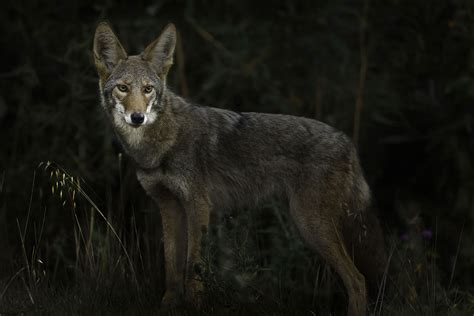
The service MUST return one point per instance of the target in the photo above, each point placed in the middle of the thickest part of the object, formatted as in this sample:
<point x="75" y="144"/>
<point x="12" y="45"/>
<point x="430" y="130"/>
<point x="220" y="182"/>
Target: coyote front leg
<point x="174" y="239"/>
<point x="197" y="217"/>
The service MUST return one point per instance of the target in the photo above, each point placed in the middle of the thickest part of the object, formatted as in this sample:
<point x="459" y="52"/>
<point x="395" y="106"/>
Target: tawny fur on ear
<point x="107" y="50"/>
<point x="160" y="52"/>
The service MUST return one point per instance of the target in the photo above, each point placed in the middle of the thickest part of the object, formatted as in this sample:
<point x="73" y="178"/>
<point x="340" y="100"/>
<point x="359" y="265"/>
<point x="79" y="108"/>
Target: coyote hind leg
<point x="323" y="233"/>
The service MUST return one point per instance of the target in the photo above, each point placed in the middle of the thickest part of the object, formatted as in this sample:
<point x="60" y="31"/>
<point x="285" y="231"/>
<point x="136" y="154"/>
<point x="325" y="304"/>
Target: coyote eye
<point x="148" y="89"/>
<point x="122" y="88"/>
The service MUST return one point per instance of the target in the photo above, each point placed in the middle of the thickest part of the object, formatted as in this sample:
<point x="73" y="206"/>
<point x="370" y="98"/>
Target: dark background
<point x="397" y="76"/>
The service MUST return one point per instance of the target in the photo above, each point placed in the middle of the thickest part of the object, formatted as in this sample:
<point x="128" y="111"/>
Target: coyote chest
<point x="153" y="179"/>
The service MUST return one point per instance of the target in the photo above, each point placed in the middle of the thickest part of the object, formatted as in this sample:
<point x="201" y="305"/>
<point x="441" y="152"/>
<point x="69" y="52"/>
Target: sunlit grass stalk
<point x="75" y="184"/>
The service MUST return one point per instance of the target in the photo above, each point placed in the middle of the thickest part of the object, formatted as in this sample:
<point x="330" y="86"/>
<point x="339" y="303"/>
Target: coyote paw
<point x="194" y="292"/>
<point x="170" y="300"/>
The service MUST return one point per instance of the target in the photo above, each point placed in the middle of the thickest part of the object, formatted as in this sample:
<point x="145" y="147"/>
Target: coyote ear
<point x="160" y="52"/>
<point x="107" y="50"/>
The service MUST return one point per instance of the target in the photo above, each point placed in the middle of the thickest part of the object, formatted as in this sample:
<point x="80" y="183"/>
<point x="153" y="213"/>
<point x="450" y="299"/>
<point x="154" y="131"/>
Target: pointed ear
<point x="160" y="52"/>
<point x="107" y="50"/>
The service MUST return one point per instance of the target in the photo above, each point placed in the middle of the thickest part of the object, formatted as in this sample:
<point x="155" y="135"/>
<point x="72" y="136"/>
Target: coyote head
<point x="131" y="86"/>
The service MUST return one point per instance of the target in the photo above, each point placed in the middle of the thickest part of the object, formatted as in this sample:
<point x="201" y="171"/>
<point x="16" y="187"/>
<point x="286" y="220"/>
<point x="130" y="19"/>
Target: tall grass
<point x="254" y="262"/>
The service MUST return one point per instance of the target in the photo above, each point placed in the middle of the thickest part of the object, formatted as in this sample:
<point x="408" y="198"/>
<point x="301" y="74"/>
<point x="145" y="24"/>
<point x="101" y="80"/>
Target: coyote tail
<point x="366" y="245"/>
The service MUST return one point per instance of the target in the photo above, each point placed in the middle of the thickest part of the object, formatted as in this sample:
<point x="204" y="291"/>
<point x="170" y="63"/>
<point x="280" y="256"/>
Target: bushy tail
<point x="365" y="243"/>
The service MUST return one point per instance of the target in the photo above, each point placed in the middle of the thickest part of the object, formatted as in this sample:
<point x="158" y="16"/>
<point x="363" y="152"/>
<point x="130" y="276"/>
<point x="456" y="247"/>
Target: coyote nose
<point x="137" y="117"/>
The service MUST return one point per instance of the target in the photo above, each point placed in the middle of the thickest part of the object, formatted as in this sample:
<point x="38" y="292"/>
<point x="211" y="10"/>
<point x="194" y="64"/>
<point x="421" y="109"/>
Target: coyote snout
<point x="136" y="118"/>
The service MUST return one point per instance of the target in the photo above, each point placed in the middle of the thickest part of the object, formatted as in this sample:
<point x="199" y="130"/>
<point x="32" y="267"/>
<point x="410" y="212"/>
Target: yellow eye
<point x="148" y="89"/>
<point x="122" y="88"/>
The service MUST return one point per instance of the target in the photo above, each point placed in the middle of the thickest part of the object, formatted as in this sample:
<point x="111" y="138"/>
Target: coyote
<point x="191" y="159"/>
